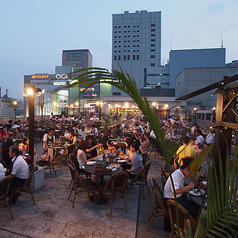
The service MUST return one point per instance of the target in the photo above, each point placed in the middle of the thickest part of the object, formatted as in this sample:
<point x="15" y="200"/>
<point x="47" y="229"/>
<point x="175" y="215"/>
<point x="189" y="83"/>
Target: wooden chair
<point x="80" y="184"/>
<point x="26" y="187"/>
<point x="42" y="146"/>
<point x="145" y="157"/>
<point x="184" y="217"/>
<point x="159" y="207"/>
<point x="68" y="150"/>
<point x="49" y="164"/>
<point x="141" y="178"/>
<point x="116" y="186"/>
<point x="4" y="188"/>
<point x="164" y="177"/>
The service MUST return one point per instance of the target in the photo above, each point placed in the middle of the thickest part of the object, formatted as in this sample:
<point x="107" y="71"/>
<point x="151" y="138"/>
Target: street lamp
<point x="14" y="106"/>
<point x="195" y="112"/>
<point x="30" y="93"/>
<point x="99" y="104"/>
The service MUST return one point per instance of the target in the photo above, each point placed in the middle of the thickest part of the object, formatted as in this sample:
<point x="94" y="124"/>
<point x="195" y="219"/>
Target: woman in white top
<point x="81" y="156"/>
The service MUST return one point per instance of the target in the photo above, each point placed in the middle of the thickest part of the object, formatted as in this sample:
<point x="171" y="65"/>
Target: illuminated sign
<point x="59" y="83"/>
<point x="61" y="76"/>
<point x="40" y="76"/>
<point x="89" y="95"/>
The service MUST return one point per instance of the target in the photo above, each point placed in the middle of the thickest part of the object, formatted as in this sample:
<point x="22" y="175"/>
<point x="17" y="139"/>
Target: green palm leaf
<point x="222" y="201"/>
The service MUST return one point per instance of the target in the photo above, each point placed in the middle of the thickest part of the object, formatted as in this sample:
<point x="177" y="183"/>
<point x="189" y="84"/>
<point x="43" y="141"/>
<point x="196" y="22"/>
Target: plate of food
<point x="195" y="193"/>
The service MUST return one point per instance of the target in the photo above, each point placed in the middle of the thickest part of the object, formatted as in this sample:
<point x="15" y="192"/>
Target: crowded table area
<point x="95" y="155"/>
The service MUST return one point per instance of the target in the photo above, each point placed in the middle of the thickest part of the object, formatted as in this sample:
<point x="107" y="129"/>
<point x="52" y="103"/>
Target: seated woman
<point x="136" y="161"/>
<point x="106" y="141"/>
<point x="91" y="151"/>
<point x="81" y="156"/>
<point x="82" y="159"/>
<point x="71" y="137"/>
<point x="19" y="135"/>
<point x="5" y="152"/>
<point x="145" y="144"/>
<point x="4" y="132"/>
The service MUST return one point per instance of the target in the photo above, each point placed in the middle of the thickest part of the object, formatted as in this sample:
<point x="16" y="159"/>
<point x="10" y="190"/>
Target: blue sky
<point x="34" y="33"/>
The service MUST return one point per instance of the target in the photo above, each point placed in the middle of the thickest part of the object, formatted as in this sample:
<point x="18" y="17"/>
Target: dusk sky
<point x="34" y="33"/>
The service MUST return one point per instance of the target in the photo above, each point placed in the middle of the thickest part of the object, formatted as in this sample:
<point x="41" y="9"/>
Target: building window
<point x="115" y="41"/>
<point x="152" y="24"/>
<point x="138" y="25"/>
<point x="124" y="41"/>
<point x="119" y="36"/>
<point x="152" y="29"/>
<point x="124" y="26"/>
<point x="124" y="31"/>
<point x="115" y="57"/>
<point x="137" y="57"/>
<point x="116" y="93"/>
<point x="128" y="51"/>
<point x="137" y="50"/>
<point x="115" y="46"/>
<point x="119" y="26"/>
<point x="134" y="46"/>
<point x="138" y="40"/>
<point x="152" y="50"/>
<point x="152" y="35"/>
<point x="115" y="36"/>
<point x="152" y="45"/>
<point x="138" y="46"/>
<point x="138" y="36"/>
<point x="124" y="36"/>
<point x="115" y="26"/>
<point x="152" y="64"/>
<point x="152" y="39"/>
<point x="124" y="45"/>
<point x="124" y="57"/>
<point x="128" y="41"/>
<point x="115" y="51"/>
<point x="128" y="46"/>
<point x="128" y="26"/>
<point x="134" y="57"/>
<point x="119" y="41"/>
<point x="152" y="56"/>
<point x="119" y="57"/>
<point x="128" y="57"/>
<point x="119" y="31"/>
<point x="115" y="32"/>
<point x="138" y="30"/>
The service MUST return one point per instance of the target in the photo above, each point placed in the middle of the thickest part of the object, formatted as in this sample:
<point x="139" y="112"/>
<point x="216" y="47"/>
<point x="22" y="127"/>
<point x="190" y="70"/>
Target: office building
<point x="194" y="58"/>
<point x="136" y="44"/>
<point x="56" y="96"/>
<point x="193" y="79"/>
<point x="81" y="59"/>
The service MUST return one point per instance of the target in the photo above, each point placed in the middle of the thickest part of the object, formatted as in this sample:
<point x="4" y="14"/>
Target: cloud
<point x="215" y="9"/>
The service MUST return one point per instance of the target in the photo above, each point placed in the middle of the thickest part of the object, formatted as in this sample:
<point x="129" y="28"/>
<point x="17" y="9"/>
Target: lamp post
<point x="195" y="112"/>
<point x="214" y="114"/>
<point x="42" y="103"/>
<point x="14" y="106"/>
<point x="30" y="93"/>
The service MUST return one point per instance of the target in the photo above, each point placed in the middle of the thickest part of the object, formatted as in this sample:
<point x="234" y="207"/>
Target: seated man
<point x="48" y="138"/>
<point x="136" y="161"/>
<point x="20" y="171"/>
<point x="183" y="151"/>
<point x="178" y="177"/>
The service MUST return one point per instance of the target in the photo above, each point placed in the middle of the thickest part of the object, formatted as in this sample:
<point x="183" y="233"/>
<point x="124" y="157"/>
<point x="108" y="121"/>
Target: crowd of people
<point x="90" y="140"/>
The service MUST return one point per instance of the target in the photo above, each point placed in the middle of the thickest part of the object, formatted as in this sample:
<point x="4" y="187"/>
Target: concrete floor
<point x="53" y="215"/>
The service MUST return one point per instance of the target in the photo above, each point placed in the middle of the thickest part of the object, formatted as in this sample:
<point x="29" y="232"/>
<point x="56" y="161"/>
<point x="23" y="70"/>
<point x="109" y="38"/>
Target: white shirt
<point x="178" y="179"/>
<point x="47" y="135"/>
<point x="20" y="168"/>
<point x="82" y="133"/>
<point x="79" y="158"/>
<point x="2" y="171"/>
<point x="210" y="139"/>
<point x="152" y="134"/>
<point x="15" y="126"/>
<point x="199" y="140"/>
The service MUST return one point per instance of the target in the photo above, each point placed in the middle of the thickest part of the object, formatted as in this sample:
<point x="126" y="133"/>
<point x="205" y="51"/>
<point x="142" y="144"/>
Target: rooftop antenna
<point x="170" y="42"/>
<point x="221" y="41"/>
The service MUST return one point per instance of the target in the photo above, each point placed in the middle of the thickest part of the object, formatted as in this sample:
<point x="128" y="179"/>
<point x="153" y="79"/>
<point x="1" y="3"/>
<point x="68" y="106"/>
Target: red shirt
<point x="5" y="134"/>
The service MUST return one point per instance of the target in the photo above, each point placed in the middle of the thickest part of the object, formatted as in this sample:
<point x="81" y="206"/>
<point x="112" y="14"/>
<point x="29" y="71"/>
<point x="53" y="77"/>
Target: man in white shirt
<point x="48" y="138"/>
<point x="210" y="139"/>
<point x="200" y="140"/>
<point x="20" y="171"/>
<point x="178" y="177"/>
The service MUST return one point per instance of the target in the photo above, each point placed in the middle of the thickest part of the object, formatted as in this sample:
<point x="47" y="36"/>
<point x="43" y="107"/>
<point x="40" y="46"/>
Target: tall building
<point x="80" y="59"/>
<point x="136" y="44"/>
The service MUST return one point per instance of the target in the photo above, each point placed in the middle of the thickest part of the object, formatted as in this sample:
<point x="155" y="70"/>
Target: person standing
<point x="48" y="139"/>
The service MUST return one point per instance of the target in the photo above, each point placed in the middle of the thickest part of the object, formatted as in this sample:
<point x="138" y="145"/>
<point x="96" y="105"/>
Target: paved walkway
<point x="53" y="215"/>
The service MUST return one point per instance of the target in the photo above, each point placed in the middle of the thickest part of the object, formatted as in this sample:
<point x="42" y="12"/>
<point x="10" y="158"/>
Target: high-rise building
<point x="78" y="59"/>
<point x="81" y="59"/>
<point x="136" y="44"/>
